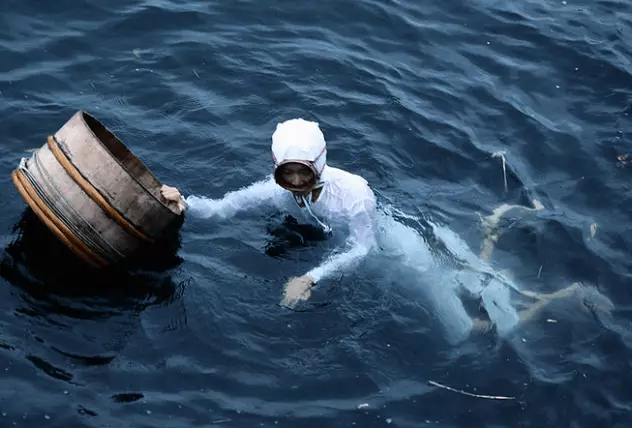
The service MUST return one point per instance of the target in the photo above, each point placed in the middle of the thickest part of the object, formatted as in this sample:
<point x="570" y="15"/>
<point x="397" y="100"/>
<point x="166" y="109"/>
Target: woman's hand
<point x="172" y="198"/>
<point x="297" y="289"/>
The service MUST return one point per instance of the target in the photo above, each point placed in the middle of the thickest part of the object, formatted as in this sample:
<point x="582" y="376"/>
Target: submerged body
<point x="304" y="187"/>
<point x="344" y="198"/>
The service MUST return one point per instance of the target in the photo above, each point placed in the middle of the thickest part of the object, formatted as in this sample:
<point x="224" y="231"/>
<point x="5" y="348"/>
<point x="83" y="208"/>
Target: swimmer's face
<point x="296" y="177"/>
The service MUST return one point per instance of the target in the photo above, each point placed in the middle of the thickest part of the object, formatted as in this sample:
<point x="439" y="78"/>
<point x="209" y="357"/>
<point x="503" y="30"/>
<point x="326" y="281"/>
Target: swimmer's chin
<point x="299" y="191"/>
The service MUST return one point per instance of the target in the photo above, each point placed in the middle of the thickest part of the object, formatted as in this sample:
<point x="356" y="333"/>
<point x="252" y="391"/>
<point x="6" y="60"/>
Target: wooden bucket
<point x="93" y="193"/>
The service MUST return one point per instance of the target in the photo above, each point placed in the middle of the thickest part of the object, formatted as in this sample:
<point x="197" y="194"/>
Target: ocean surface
<point x="449" y="109"/>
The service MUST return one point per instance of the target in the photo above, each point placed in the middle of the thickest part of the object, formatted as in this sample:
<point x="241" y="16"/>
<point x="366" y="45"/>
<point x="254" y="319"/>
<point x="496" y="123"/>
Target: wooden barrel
<point x="93" y="193"/>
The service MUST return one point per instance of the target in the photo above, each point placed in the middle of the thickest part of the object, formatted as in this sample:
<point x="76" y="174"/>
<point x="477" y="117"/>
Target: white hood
<point x="299" y="140"/>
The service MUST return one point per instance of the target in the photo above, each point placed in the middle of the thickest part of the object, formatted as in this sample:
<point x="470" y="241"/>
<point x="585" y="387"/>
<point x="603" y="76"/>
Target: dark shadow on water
<point x="82" y="313"/>
<point x="38" y="263"/>
<point x="289" y="234"/>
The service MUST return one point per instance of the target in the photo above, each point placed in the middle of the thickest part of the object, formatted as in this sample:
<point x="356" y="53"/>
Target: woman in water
<point x="304" y="186"/>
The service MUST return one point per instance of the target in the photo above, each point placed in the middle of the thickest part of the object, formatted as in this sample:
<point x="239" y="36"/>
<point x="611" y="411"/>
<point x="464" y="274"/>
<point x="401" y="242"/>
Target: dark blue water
<point x="414" y="96"/>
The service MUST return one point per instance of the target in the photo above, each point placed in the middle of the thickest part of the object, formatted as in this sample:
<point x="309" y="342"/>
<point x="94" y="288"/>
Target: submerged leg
<point x="496" y="298"/>
<point x="564" y="292"/>
<point x="449" y="309"/>
<point x="590" y="297"/>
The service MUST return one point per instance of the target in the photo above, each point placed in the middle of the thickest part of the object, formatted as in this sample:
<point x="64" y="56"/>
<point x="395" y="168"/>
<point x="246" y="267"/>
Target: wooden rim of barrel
<point x="92" y="192"/>
<point x="118" y="150"/>
<point x="54" y="224"/>
<point x="129" y="184"/>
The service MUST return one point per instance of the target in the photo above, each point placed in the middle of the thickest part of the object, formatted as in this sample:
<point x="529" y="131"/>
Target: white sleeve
<point x="361" y="240"/>
<point x="266" y="191"/>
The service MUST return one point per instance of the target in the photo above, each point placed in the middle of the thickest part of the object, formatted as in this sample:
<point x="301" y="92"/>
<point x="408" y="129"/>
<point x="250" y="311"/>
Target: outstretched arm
<point x="361" y="240"/>
<point x="258" y="193"/>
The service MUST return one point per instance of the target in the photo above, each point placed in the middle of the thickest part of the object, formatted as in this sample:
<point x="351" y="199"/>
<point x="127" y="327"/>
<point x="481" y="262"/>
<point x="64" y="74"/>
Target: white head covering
<point x="299" y="140"/>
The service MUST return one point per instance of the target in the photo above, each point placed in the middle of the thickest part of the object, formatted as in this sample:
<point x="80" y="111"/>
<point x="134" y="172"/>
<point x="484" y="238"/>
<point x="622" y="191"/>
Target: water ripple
<point x="415" y="97"/>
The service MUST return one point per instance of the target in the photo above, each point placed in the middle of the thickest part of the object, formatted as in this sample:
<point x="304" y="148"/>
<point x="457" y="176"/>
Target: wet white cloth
<point x="299" y="140"/>
<point x="347" y="198"/>
<point x="344" y="197"/>
<point x="448" y="273"/>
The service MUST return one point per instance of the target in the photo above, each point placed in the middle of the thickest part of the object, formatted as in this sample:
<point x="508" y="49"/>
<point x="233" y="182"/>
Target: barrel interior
<point x="123" y="155"/>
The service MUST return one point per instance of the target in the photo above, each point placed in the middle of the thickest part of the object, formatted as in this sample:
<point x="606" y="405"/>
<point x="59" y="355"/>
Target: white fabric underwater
<point x="441" y="282"/>
<point x="446" y="271"/>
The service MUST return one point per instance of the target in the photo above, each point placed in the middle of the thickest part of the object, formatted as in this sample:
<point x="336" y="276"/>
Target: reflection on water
<point x="84" y="315"/>
<point x="289" y="234"/>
